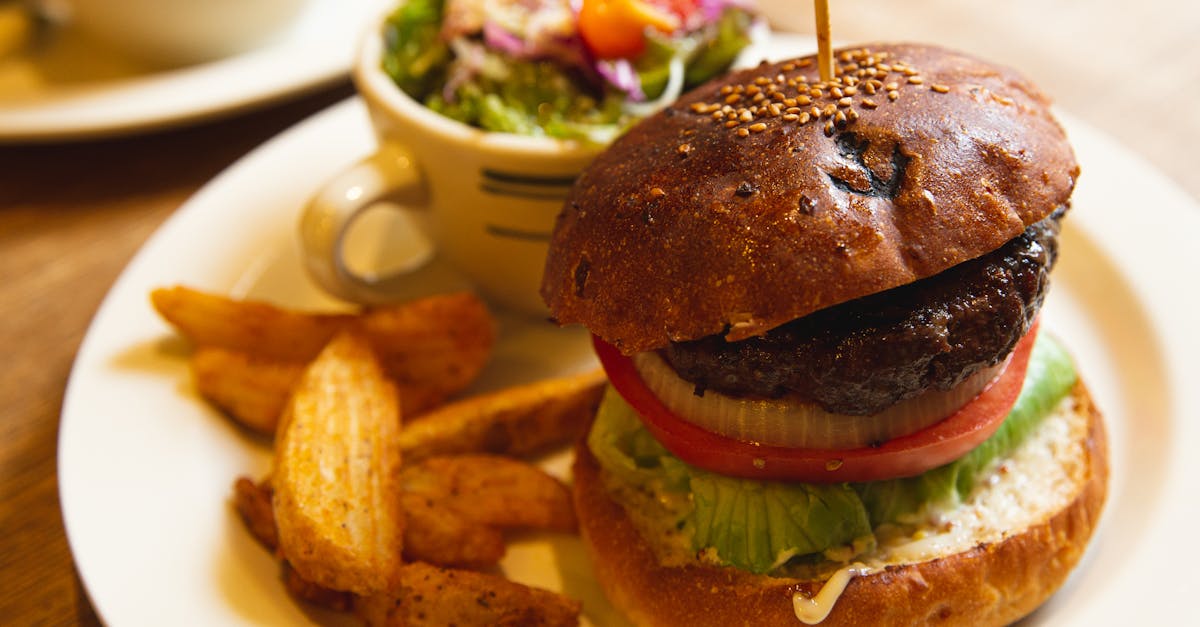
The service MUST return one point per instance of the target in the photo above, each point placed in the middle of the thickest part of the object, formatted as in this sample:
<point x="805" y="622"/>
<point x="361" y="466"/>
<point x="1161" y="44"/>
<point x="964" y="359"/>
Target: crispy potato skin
<point x="432" y="596"/>
<point x="518" y="421"/>
<point x="336" y="472"/>
<point x="493" y="490"/>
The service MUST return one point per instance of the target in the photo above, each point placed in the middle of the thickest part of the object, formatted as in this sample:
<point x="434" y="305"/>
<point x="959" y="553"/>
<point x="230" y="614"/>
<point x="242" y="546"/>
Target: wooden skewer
<point x="824" y="52"/>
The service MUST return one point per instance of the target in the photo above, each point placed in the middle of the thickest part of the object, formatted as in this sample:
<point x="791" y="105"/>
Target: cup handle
<point x="390" y="174"/>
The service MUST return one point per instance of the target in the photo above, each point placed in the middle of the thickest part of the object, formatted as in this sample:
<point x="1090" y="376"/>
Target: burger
<point x="817" y="304"/>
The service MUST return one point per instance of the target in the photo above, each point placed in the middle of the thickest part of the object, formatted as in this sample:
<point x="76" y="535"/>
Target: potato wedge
<point x="336" y="473"/>
<point x="250" y="353"/>
<point x="492" y="490"/>
<point x="432" y="347"/>
<point x="309" y="592"/>
<point x="252" y="390"/>
<point x="244" y="325"/>
<point x="439" y="535"/>
<point x="253" y="502"/>
<point x="432" y="596"/>
<point x="518" y="421"/>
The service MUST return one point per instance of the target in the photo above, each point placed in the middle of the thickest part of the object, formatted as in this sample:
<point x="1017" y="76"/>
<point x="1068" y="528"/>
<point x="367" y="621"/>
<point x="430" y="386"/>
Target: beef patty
<point x="864" y="355"/>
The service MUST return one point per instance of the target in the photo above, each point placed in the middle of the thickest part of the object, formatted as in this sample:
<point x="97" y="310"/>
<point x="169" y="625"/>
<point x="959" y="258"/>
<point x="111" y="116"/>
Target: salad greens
<point x="524" y="68"/>
<point x="760" y="525"/>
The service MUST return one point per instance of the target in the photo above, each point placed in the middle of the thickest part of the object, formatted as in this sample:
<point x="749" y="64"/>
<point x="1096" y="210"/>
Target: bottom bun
<point x="992" y="581"/>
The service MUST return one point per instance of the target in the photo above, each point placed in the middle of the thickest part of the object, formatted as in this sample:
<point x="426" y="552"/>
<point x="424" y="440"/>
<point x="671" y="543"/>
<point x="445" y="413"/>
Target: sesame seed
<point x="804" y="118"/>
<point x="829" y="128"/>
<point x="699" y="107"/>
<point x="762" y="80"/>
<point x="909" y="71"/>
<point x="836" y="92"/>
<point x="867" y="103"/>
<point x="833" y="464"/>
<point x="829" y="110"/>
<point x="741" y="132"/>
<point x="883" y="67"/>
<point x="845" y="102"/>
<point x="851" y="115"/>
<point x="717" y="115"/>
<point x="726" y="90"/>
<point x="916" y="80"/>
<point x="657" y="192"/>
<point x="746" y="116"/>
<point x="685" y="148"/>
<point x="731" y="123"/>
<point x="758" y="127"/>
<point x="790" y="117"/>
<point x="732" y="98"/>
<point x="840" y="119"/>
<point x="869" y="87"/>
<point x="774" y="109"/>
<point x="803" y="101"/>
<point x="941" y="89"/>
<point x="1004" y="100"/>
<point x="788" y="67"/>
<point x="892" y="86"/>
<point x="892" y="95"/>
<point x="815" y="111"/>
<point x="850" y="91"/>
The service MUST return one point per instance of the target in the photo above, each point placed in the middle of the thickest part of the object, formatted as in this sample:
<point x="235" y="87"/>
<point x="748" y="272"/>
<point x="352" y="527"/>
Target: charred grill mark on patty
<point x="864" y="355"/>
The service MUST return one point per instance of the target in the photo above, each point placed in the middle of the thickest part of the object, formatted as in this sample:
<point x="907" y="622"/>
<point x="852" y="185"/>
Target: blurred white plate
<point x="58" y="86"/>
<point x="145" y="467"/>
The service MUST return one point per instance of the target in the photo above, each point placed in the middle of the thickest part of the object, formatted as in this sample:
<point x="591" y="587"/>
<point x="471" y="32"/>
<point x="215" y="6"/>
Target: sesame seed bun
<point x="703" y="220"/>
<point x="997" y="577"/>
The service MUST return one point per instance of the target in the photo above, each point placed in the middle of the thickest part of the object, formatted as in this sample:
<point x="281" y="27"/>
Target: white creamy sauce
<point x="813" y="610"/>
<point x="1041" y="476"/>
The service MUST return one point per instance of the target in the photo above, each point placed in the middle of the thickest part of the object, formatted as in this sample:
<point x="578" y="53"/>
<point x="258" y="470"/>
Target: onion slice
<point x="793" y="423"/>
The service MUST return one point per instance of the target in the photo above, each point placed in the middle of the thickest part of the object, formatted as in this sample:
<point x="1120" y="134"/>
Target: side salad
<point x="570" y="69"/>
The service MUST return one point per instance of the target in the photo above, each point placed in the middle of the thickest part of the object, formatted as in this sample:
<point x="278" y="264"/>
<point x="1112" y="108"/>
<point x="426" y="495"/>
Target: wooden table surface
<point x="72" y="214"/>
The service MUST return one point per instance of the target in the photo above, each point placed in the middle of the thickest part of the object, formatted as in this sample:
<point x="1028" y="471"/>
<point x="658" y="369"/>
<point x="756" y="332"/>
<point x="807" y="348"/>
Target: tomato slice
<point x="614" y="29"/>
<point x="905" y="456"/>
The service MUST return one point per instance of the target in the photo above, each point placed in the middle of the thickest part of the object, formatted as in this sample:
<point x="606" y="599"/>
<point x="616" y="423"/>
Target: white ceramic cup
<point x="176" y="32"/>
<point x="486" y="202"/>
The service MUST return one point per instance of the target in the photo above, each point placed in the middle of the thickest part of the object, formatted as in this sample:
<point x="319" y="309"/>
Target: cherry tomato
<point x="616" y="28"/>
<point x="906" y="456"/>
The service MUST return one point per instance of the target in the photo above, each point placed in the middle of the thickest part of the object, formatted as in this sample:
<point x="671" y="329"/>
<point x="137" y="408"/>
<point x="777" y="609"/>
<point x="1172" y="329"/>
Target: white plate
<point x="59" y="86"/>
<point x="145" y="468"/>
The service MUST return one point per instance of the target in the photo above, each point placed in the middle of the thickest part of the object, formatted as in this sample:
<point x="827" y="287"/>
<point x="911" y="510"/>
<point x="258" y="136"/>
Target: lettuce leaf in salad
<point x="416" y="56"/>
